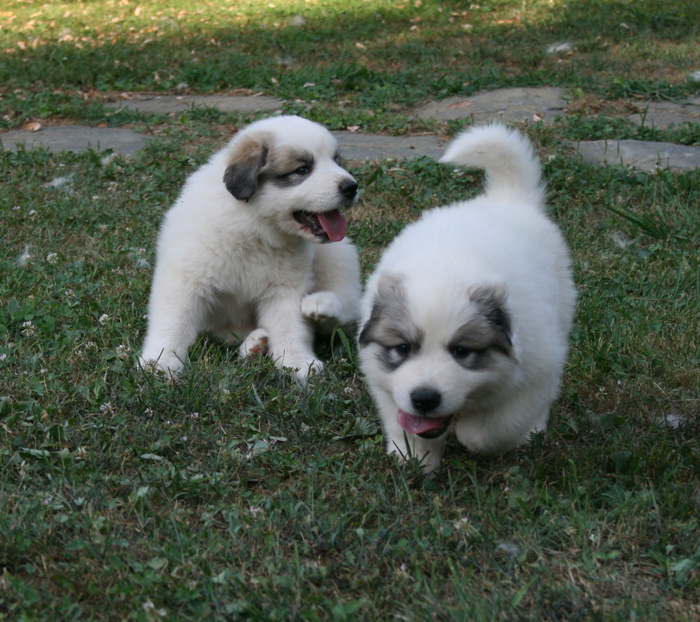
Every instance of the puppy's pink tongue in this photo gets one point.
(334, 224)
(419, 425)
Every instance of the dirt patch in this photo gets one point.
(592, 105)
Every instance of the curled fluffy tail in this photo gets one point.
(512, 170)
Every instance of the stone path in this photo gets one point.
(509, 105)
(77, 138)
(642, 155)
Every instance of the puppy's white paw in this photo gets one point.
(303, 370)
(321, 306)
(159, 366)
(256, 342)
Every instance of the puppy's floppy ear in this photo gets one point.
(491, 301)
(245, 164)
(389, 307)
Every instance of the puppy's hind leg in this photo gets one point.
(337, 289)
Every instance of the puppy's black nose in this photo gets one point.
(425, 400)
(349, 188)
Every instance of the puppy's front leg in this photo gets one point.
(173, 324)
(289, 336)
(427, 451)
(336, 289)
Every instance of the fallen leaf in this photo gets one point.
(462, 104)
(32, 126)
(353, 128)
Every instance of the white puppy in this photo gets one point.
(465, 322)
(254, 248)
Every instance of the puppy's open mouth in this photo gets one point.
(425, 427)
(331, 225)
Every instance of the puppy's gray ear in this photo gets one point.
(245, 164)
(388, 308)
(491, 301)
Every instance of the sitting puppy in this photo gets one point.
(465, 321)
(255, 247)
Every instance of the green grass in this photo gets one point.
(233, 493)
(351, 61)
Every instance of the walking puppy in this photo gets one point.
(465, 322)
(255, 248)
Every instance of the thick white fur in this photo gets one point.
(501, 241)
(245, 270)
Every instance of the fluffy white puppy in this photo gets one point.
(465, 321)
(255, 248)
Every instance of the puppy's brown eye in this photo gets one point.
(460, 352)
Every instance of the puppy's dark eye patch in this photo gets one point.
(394, 353)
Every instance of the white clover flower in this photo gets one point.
(103, 318)
(52, 258)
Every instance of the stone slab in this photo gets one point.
(512, 105)
(355, 146)
(76, 138)
(643, 155)
(165, 104)
(663, 115)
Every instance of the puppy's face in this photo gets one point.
(438, 356)
(288, 170)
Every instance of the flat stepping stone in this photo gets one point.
(76, 138)
(663, 115)
(642, 155)
(165, 104)
(354, 146)
(512, 105)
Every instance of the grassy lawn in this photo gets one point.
(235, 494)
